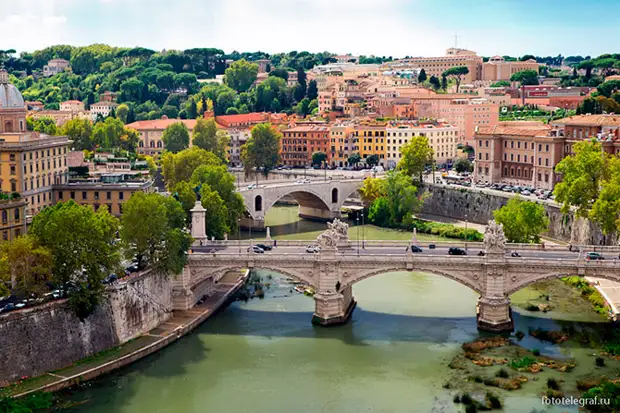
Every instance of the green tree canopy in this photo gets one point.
(417, 154)
(262, 150)
(396, 207)
(153, 231)
(463, 165)
(457, 73)
(26, 265)
(354, 158)
(582, 177)
(372, 159)
(318, 158)
(80, 131)
(176, 137)
(181, 166)
(372, 189)
(208, 137)
(526, 77)
(422, 76)
(82, 248)
(241, 75)
(523, 221)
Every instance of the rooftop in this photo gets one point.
(590, 120)
(514, 130)
(162, 124)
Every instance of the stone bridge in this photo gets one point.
(333, 272)
(317, 199)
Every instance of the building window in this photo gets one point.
(17, 214)
(13, 170)
(84, 195)
(72, 195)
(13, 186)
(5, 236)
(108, 195)
(60, 195)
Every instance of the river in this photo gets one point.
(265, 356)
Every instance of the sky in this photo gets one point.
(381, 27)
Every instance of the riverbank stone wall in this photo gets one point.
(461, 203)
(49, 337)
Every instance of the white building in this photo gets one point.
(55, 66)
(443, 138)
(238, 137)
(102, 108)
(73, 106)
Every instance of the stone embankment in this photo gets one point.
(478, 206)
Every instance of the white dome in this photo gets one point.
(10, 96)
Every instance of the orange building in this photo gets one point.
(300, 142)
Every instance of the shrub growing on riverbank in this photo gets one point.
(31, 403)
(589, 292)
(445, 230)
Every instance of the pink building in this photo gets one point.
(465, 112)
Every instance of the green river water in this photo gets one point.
(264, 355)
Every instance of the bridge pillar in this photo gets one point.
(317, 213)
(182, 297)
(494, 314)
(199, 228)
(333, 303)
(333, 308)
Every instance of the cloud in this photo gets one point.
(33, 24)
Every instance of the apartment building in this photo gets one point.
(371, 140)
(73, 106)
(111, 190)
(151, 133)
(13, 213)
(343, 143)
(55, 66)
(102, 108)
(30, 162)
(299, 142)
(605, 128)
(497, 68)
(443, 139)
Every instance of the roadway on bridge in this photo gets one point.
(233, 248)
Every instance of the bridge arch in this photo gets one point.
(519, 282)
(216, 273)
(468, 279)
(305, 197)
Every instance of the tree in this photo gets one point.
(241, 75)
(318, 158)
(606, 208)
(180, 166)
(422, 76)
(372, 189)
(122, 111)
(279, 72)
(208, 137)
(527, 57)
(523, 221)
(217, 218)
(112, 133)
(588, 65)
(45, 125)
(185, 194)
(526, 77)
(501, 83)
(83, 250)
(463, 165)
(582, 177)
(457, 73)
(313, 91)
(354, 158)
(26, 264)
(176, 137)
(398, 203)
(262, 150)
(80, 131)
(192, 111)
(300, 91)
(303, 107)
(444, 83)
(379, 212)
(608, 88)
(372, 160)
(218, 179)
(435, 83)
(153, 232)
(416, 155)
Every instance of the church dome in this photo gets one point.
(10, 96)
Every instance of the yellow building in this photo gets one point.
(13, 214)
(112, 190)
(30, 162)
(371, 140)
(342, 144)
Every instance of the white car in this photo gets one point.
(251, 186)
(256, 249)
(299, 181)
(311, 249)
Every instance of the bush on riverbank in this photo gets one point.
(589, 292)
(31, 403)
(445, 230)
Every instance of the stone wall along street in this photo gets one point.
(49, 337)
(456, 202)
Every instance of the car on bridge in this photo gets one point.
(264, 247)
(256, 250)
(415, 248)
(456, 251)
(593, 256)
(311, 249)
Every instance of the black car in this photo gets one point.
(431, 247)
(415, 248)
(264, 247)
(456, 251)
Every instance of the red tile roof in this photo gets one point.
(160, 124)
(255, 117)
(590, 120)
(507, 130)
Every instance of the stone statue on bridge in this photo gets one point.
(341, 228)
(494, 238)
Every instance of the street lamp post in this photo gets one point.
(363, 237)
(466, 233)
(357, 224)
(239, 233)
